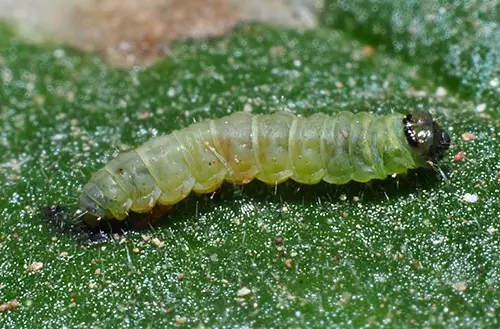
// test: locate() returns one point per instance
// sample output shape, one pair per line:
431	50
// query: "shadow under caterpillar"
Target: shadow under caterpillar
271	148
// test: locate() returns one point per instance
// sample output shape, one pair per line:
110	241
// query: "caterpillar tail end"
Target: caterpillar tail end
89	228
425	134
111	220
74	225
134	221
58	218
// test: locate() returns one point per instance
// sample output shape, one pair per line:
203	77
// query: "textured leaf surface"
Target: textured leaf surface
402	252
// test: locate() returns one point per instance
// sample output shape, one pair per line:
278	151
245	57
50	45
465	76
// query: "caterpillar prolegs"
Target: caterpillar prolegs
271	148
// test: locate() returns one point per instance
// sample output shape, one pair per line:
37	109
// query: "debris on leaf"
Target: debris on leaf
468	136
9	306
460	156
470	198
242	292
460	286
34	267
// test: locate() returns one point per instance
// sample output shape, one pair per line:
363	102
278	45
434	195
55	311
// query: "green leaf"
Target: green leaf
458	40
404	252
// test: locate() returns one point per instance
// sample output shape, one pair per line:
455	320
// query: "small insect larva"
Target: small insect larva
271	148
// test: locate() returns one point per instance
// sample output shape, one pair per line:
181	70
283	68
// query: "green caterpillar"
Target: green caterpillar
271	148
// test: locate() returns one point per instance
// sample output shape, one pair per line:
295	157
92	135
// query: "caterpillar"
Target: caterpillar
269	147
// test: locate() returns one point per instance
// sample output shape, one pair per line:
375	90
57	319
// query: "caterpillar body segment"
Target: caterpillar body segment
271	148
306	149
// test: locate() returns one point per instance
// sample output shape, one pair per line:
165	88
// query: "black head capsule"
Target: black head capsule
426	135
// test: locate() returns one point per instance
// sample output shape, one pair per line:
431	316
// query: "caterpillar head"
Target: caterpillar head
426	135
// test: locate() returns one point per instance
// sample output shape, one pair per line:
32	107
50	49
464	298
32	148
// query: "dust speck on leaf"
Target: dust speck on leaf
491	230
417	264
157	242
34	267
242	292
480	108
441	92
468	136
9	306
470	198
460	286
460	156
